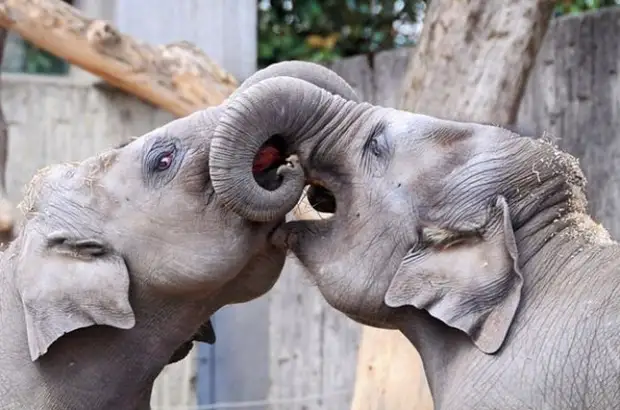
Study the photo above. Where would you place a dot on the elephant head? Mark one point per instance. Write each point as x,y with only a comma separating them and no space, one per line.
142,215
427,213
133,244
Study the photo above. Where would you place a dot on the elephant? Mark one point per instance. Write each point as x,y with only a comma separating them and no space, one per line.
122,258
473,241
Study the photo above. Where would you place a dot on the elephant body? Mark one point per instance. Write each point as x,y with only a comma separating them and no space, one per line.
121,260
473,241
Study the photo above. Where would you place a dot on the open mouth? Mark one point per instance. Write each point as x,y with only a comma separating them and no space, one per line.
270,157
320,198
318,203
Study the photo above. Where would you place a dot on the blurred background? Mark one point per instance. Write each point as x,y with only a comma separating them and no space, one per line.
312,30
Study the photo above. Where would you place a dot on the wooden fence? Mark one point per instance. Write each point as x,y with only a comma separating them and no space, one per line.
573,98
289,349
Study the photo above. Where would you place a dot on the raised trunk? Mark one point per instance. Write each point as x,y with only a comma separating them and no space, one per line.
289,108
311,72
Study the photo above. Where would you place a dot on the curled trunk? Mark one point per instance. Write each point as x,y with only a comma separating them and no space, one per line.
294,110
311,72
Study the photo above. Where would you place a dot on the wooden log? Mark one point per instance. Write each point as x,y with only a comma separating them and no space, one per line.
472,63
176,77
389,374
7,208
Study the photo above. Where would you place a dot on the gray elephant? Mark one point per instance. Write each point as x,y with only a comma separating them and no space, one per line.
471,240
122,259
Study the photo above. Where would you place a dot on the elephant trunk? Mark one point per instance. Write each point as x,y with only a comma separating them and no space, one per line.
313,73
294,110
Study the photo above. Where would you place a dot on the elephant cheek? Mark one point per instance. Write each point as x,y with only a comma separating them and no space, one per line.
258,276
310,241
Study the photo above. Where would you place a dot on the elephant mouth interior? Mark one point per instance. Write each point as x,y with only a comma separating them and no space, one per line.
270,156
321,199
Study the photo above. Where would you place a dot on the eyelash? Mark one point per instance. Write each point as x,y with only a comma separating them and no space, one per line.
375,143
373,147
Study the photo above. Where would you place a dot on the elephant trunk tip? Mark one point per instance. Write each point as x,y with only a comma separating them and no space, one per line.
266,172
263,113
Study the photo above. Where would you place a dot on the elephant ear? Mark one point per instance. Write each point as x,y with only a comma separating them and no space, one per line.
67,283
468,279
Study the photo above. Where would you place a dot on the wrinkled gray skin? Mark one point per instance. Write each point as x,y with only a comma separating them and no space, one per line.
121,261
471,240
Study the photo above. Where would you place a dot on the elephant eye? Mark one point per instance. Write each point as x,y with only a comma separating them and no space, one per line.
160,158
375,144
377,151
164,161
373,147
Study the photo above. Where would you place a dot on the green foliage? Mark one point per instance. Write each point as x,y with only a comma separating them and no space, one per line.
38,61
22,56
322,30
579,6
27,58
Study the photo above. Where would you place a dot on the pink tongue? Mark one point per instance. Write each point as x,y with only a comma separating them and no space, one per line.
265,158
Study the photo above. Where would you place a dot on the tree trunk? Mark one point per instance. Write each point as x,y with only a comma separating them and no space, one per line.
474,57
7,209
176,77
472,63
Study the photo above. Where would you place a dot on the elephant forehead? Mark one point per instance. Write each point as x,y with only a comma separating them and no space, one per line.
410,126
75,183
197,127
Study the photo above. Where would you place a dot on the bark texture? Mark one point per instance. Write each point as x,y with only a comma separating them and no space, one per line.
474,57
